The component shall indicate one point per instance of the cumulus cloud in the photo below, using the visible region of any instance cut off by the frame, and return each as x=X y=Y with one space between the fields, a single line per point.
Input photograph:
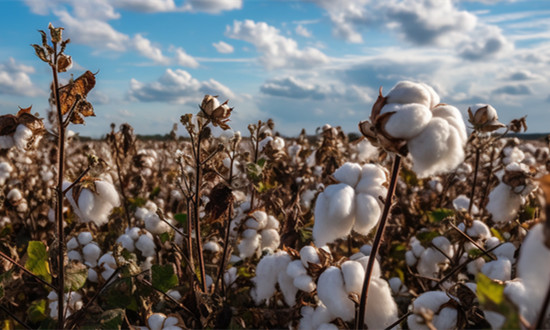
x=294 y=88
x=520 y=89
x=302 y=31
x=347 y=16
x=212 y=6
x=489 y=42
x=223 y=47
x=146 y=6
x=276 y=51
x=15 y=79
x=522 y=75
x=176 y=86
x=184 y=59
x=146 y=49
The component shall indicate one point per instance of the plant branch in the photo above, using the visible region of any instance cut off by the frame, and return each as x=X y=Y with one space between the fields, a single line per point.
x=476 y=169
x=472 y=241
x=28 y=272
x=77 y=180
x=196 y=204
x=360 y=321
x=14 y=317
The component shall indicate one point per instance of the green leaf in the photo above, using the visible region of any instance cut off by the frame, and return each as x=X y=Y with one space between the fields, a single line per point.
x=164 y=237
x=164 y=277
x=75 y=276
x=181 y=218
x=37 y=311
x=37 y=261
x=475 y=253
x=439 y=215
x=491 y=297
x=137 y=202
x=261 y=162
x=112 y=319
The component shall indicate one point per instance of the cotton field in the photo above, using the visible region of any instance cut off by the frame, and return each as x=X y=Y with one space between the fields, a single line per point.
x=425 y=221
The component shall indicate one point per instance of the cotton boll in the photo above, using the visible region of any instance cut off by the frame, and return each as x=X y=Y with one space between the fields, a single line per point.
x=366 y=151
x=430 y=263
x=21 y=136
x=534 y=269
x=74 y=255
x=72 y=244
x=107 y=273
x=454 y=118
x=382 y=309
x=367 y=213
x=286 y=284
x=266 y=277
x=148 y=263
x=270 y=239
x=354 y=275
x=479 y=230
x=500 y=269
x=155 y=225
x=334 y=213
x=304 y=283
x=327 y=326
x=14 y=195
x=371 y=176
x=410 y=258
x=512 y=155
x=250 y=233
x=432 y=300
x=261 y=218
x=462 y=202
x=348 y=173
x=306 y=198
x=309 y=254
x=85 y=237
x=331 y=291
x=133 y=233
x=278 y=143
x=92 y=275
x=407 y=121
x=127 y=242
x=503 y=203
x=397 y=286
x=91 y=253
x=437 y=149
x=230 y=276
x=295 y=268
x=249 y=246
x=155 y=321
x=141 y=212
x=107 y=192
x=252 y=224
x=212 y=247
x=107 y=260
x=146 y=245
x=411 y=92
x=506 y=250
x=272 y=222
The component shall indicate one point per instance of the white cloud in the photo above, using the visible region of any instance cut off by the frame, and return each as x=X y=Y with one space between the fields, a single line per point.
x=146 y=6
x=176 y=86
x=276 y=51
x=488 y=42
x=212 y=6
x=347 y=16
x=146 y=49
x=302 y=31
x=223 y=47
x=15 y=79
x=184 y=59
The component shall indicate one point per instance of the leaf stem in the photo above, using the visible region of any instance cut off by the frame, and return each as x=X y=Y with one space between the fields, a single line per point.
x=360 y=321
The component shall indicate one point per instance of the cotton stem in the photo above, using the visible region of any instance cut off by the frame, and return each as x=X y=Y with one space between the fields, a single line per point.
x=360 y=321
x=476 y=168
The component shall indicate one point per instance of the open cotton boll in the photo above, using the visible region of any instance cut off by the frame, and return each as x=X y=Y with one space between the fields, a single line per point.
x=331 y=291
x=432 y=300
x=366 y=151
x=127 y=242
x=252 y=224
x=503 y=203
x=146 y=245
x=382 y=309
x=272 y=222
x=371 y=175
x=267 y=272
x=516 y=291
x=334 y=213
x=512 y=155
x=408 y=119
x=270 y=239
x=462 y=202
x=261 y=218
x=437 y=149
x=348 y=173
x=354 y=275
x=367 y=213
x=411 y=92
x=479 y=230
x=21 y=136
x=155 y=321
x=212 y=247
x=230 y=276
x=72 y=244
x=74 y=255
x=534 y=269
x=85 y=237
x=309 y=254
x=107 y=192
x=91 y=253
x=249 y=246
x=286 y=284
x=295 y=268
x=155 y=225
x=500 y=269
x=454 y=119
x=304 y=283
x=506 y=250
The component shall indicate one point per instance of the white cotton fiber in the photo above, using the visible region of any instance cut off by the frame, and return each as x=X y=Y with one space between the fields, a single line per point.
x=309 y=254
x=506 y=250
x=295 y=268
x=503 y=203
x=85 y=237
x=534 y=269
x=267 y=272
x=354 y=275
x=348 y=173
x=21 y=136
x=500 y=269
x=331 y=291
x=334 y=213
x=381 y=308
x=155 y=321
x=304 y=283
x=272 y=222
x=133 y=232
x=249 y=246
x=249 y=233
x=252 y=224
x=74 y=255
x=154 y=224
x=72 y=244
x=270 y=239
x=91 y=253
x=479 y=230
x=286 y=284
x=146 y=245
x=127 y=242
x=261 y=217
x=454 y=119
x=367 y=213
x=407 y=121
x=107 y=192
x=6 y=141
x=212 y=247
x=432 y=300
x=411 y=92
x=327 y=326
x=371 y=176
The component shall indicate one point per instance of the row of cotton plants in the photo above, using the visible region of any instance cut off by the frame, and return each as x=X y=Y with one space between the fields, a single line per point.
x=425 y=221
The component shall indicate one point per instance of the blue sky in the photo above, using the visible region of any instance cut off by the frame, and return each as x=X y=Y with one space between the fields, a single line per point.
x=303 y=63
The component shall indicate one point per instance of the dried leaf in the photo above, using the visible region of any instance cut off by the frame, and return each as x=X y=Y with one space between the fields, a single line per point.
x=76 y=92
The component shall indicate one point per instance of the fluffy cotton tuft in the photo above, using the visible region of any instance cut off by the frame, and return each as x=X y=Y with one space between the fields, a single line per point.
x=443 y=318
x=334 y=213
x=94 y=207
x=267 y=275
x=503 y=203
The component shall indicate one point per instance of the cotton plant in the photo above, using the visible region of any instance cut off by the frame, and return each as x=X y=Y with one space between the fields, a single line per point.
x=73 y=303
x=432 y=260
x=433 y=310
x=84 y=249
x=161 y=321
x=411 y=120
x=352 y=204
x=92 y=200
